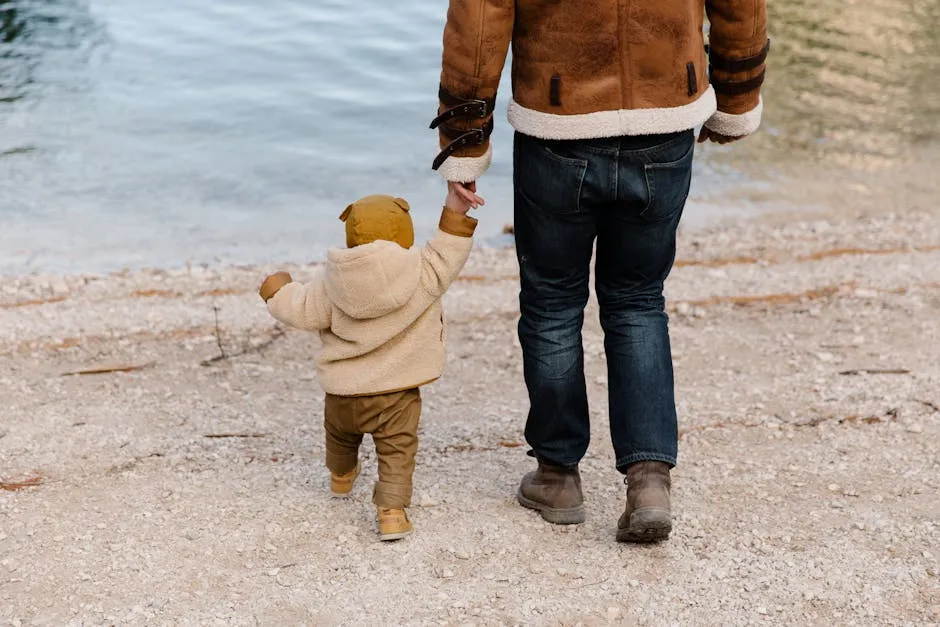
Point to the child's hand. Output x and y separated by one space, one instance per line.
461 197
273 284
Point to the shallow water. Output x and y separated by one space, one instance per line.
138 133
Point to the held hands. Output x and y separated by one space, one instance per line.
462 197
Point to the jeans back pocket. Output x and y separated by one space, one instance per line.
668 182
546 177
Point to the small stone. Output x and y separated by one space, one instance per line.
834 487
462 555
273 572
762 610
683 309
837 505
447 574
878 498
860 526
915 429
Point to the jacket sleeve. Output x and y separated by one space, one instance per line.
303 306
737 54
445 255
476 42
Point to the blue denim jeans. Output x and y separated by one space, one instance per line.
626 195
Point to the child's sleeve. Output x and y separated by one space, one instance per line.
445 255
303 306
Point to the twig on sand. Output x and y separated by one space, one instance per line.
218 332
929 404
236 435
14 486
257 348
875 371
109 369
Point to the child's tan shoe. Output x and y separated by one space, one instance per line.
341 485
393 524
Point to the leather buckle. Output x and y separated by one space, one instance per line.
469 108
474 137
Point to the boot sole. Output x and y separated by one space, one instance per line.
647 525
554 515
388 537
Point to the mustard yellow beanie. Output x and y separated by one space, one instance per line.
378 218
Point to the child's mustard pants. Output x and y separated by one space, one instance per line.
392 419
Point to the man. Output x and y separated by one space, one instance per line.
604 99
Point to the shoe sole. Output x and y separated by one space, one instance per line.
388 537
647 525
554 515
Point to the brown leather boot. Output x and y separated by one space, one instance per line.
555 491
647 517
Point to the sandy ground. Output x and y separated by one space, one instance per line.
808 490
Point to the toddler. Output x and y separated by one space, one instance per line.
377 307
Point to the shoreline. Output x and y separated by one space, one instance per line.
177 485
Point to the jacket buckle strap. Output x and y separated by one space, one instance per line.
468 109
451 132
736 88
728 64
462 108
461 139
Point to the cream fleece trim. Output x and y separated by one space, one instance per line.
613 123
736 125
466 169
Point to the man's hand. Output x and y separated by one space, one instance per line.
462 197
707 135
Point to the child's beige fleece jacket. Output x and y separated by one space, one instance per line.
378 310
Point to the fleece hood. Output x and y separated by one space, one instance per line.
372 280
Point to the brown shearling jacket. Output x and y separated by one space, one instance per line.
597 68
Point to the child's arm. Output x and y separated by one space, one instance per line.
445 255
303 306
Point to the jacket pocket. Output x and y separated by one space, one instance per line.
546 177
668 182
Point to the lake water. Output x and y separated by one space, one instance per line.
142 133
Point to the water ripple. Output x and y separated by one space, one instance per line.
180 125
